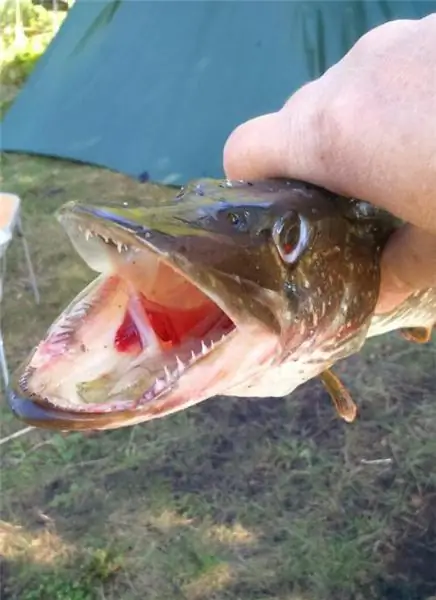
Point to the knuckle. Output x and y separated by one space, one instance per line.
317 119
384 36
330 123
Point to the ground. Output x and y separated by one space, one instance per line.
230 500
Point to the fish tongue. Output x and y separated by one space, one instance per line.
141 321
140 375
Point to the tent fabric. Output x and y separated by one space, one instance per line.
153 88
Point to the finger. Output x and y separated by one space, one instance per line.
280 144
257 149
408 265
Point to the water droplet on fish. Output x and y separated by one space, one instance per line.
290 287
365 209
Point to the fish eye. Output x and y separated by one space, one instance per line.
291 235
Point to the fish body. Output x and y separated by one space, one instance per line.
230 288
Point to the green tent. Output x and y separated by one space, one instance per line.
153 88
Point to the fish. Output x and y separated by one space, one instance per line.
228 288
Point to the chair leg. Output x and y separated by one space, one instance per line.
3 363
29 261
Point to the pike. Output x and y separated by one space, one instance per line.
230 288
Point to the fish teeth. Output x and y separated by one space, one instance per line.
119 247
180 365
159 385
170 376
88 234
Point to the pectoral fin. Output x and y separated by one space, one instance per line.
340 396
419 335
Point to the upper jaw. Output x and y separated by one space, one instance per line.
29 403
194 253
120 238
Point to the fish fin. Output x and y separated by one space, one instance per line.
419 335
340 396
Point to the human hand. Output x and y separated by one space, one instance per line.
365 129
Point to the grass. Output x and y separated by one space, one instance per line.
230 500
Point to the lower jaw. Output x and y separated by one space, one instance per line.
48 414
48 417
118 394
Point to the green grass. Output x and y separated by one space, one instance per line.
229 500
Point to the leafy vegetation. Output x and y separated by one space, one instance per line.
26 31
17 70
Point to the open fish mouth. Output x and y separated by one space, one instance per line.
129 338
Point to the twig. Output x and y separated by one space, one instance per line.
376 461
17 434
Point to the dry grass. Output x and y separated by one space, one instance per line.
232 499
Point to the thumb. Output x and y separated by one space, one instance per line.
257 149
274 144
408 265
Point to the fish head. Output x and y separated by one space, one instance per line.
231 288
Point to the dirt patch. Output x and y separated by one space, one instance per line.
4 578
411 568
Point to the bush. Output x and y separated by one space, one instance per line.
18 68
23 40
32 19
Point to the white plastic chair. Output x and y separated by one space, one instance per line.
10 222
